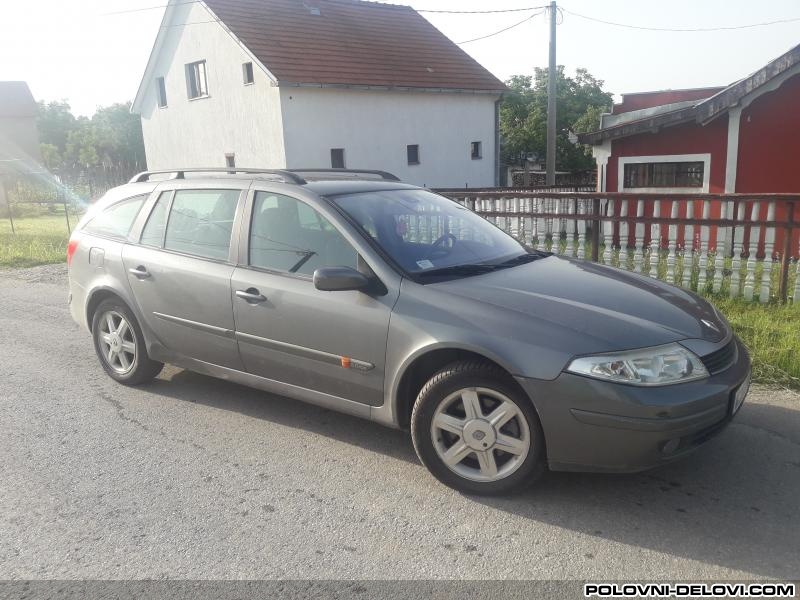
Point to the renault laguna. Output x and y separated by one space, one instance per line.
361 294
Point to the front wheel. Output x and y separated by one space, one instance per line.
119 344
476 431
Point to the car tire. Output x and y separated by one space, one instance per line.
119 344
473 415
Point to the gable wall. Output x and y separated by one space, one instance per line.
244 120
374 128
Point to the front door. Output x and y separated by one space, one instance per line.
180 274
288 331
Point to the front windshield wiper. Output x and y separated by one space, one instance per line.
524 258
468 269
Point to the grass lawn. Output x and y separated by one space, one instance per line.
38 241
772 331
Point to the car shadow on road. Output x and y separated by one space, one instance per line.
735 503
225 395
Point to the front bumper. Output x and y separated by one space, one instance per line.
594 425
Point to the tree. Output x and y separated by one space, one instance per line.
91 154
523 116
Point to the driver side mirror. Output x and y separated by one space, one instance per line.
340 279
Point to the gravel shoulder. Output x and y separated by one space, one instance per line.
193 477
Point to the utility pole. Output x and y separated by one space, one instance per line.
551 101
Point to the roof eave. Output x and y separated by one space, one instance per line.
390 88
648 125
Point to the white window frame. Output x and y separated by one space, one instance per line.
201 82
663 158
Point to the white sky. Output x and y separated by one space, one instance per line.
68 49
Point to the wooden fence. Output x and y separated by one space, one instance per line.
742 245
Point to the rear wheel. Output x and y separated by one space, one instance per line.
119 344
476 431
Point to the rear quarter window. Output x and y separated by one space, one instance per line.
116 220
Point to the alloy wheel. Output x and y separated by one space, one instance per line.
480 434
117 341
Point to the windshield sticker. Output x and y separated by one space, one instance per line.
424 264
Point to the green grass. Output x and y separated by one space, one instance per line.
772 333
37 241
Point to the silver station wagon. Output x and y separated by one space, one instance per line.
383 300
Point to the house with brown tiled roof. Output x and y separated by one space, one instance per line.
317 83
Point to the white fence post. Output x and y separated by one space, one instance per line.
703 250
688 252
638 252
608 229
769 249
655 240
736 263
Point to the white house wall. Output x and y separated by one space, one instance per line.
374 128
234 118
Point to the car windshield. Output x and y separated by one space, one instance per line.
428 234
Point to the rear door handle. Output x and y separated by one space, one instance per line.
251 295
139 272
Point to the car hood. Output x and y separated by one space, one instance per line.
616 309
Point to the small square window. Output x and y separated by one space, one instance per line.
337 158
247 73
161 88
476 151
412 151
196 84
230 160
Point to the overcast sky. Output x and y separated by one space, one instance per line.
72 50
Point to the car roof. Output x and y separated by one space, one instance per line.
324 182
338 187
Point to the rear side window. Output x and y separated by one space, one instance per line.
200 222
116 220
153 233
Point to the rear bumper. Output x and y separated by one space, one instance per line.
592 425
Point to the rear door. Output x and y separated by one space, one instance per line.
180 272
289 331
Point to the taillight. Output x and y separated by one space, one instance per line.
71 247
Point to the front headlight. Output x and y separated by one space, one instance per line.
660 365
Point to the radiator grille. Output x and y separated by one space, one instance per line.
721 359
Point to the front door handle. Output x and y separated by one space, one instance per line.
251 295
140 272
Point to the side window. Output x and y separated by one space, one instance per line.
288 235
201 222
153 233
117 219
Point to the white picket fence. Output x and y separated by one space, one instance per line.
739 245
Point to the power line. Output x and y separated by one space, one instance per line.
422 10
479 12
483 37
144 8
680 29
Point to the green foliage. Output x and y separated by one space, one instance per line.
91 154
523 116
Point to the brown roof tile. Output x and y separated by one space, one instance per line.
351 42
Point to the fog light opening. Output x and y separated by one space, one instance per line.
670 446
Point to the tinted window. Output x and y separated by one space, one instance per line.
117 219
153 234
201 222
289 235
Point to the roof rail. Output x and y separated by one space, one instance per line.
381 174
288 176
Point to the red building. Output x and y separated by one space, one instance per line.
743 138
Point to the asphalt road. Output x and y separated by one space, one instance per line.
192 477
